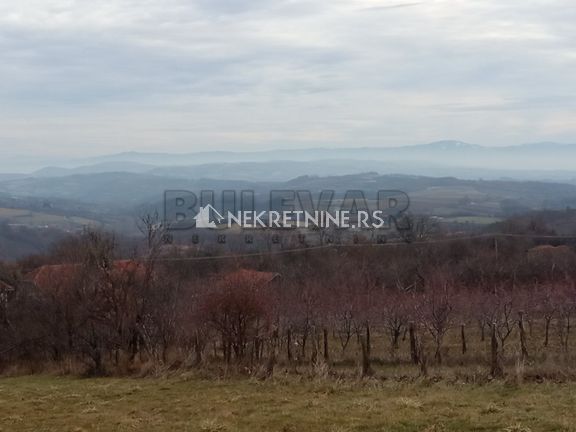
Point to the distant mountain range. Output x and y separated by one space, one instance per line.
542 156
97 168
127 191
115 200
541 161
446 151
126 179
451 180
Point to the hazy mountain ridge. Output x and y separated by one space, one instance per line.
126 190
103 167
539 161
286 170
445 178
114 201
546 156
439 149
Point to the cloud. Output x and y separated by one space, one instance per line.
92 77
392 6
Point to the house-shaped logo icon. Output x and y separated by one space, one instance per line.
207 217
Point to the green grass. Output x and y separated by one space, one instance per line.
477 220
32 218
44 403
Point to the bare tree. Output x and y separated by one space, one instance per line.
436 311
413 228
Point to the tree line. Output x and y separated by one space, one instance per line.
489 303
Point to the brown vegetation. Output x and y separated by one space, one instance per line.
484 304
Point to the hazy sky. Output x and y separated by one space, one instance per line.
93 77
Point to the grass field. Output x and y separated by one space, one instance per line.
477 220
194 404
32 218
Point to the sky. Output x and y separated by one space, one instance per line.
81 78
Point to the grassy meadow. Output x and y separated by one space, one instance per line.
45 403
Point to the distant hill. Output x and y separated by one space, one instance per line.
551 222
434 195
103 167
124 190
538 162
9 176
284 170
538 156
20 241
38 209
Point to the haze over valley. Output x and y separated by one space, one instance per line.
452 180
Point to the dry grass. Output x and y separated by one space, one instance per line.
42 403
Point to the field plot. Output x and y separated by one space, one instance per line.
194 404
38 219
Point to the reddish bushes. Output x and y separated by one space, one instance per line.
417 304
